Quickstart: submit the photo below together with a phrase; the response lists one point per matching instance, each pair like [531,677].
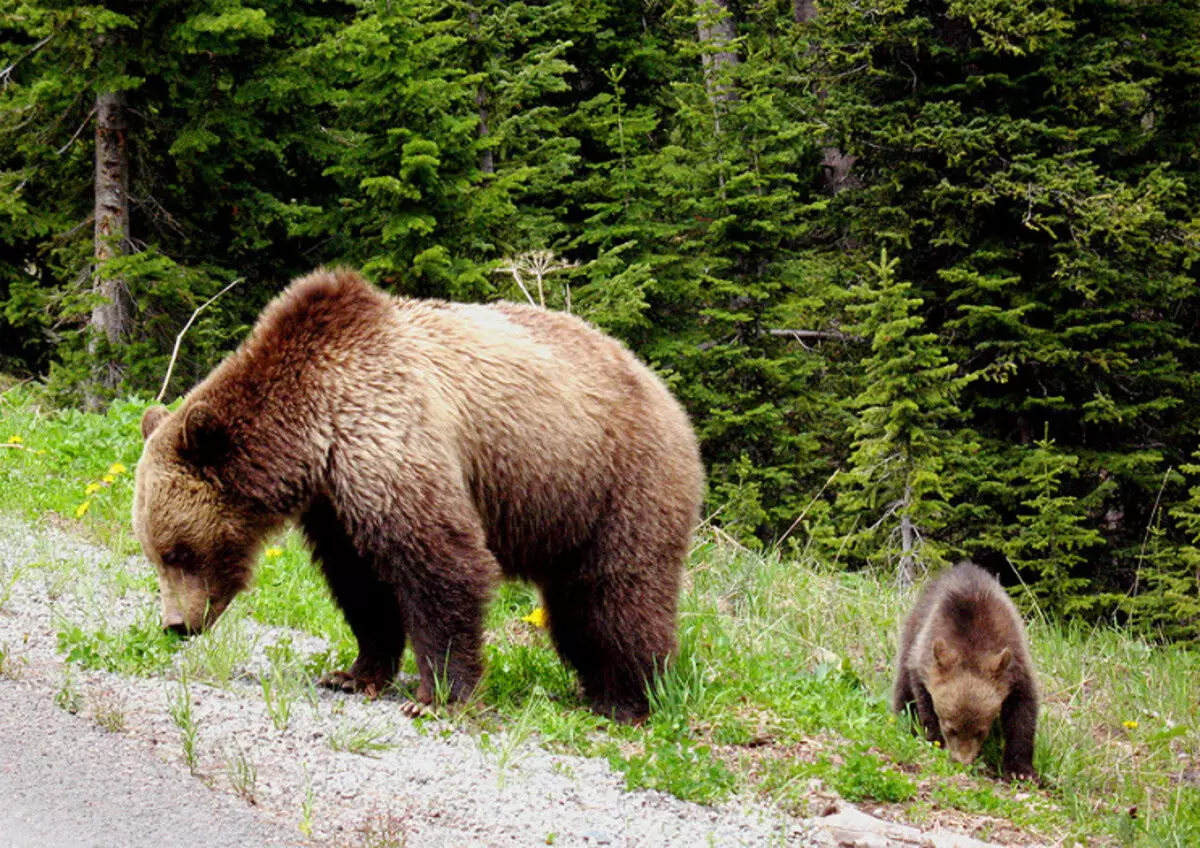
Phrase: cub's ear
[999,662]
[203,438]
[151,418]
[943,655]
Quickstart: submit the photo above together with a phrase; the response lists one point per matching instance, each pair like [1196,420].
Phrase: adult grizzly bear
[427,449]
[964,661]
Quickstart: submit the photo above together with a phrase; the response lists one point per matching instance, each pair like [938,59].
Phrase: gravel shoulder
[64,781]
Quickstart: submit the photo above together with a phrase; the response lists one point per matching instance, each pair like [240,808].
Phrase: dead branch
[800,335]
[6,74]
[179,338]
[71,140]
[536,263]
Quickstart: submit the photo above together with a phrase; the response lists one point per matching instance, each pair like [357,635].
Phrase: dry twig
[179,338]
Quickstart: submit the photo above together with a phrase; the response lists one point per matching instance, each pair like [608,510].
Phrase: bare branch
[71,140]
[6,74]
[179,338]
[815,334]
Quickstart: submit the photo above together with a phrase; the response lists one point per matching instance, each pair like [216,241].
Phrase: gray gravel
[64,782]
[439,786]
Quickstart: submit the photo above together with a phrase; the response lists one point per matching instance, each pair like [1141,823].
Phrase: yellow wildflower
[117,468]
[91,489]
[271,553]
[108,478]
[538,618]
[82,508]
[1130,725]
[14,439]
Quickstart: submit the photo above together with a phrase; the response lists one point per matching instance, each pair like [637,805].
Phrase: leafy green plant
[678,766]
[864,776]
[143,648]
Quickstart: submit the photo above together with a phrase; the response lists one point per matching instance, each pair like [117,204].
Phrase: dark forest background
[922,272]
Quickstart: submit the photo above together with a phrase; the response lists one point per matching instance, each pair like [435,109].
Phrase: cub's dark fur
[964,661]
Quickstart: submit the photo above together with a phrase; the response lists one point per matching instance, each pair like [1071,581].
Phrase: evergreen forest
[922,271]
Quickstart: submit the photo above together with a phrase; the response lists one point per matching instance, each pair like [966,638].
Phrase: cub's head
[201,538]
[967,700]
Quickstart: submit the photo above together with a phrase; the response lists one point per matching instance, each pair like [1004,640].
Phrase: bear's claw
[348,682]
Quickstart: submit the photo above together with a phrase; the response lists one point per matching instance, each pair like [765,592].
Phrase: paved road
[64,783]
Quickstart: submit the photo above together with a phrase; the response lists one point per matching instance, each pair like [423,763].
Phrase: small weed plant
[179,705]
[366,739]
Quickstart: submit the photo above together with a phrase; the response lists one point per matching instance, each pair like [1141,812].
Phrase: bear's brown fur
[428,449]
[964,661]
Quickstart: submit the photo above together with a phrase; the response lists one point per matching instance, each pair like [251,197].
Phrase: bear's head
[967,698]
[200,535]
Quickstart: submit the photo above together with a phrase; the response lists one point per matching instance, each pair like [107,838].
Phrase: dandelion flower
[538,618]
[1130,725]
[82,508]
[91,489]
[271,553]
[108,478]
[15,439]
[117,468]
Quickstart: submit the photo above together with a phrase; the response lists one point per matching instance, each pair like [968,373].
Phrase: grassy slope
[782,678]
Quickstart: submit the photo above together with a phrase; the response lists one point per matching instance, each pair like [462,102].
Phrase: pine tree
[895,491]
[1055,539]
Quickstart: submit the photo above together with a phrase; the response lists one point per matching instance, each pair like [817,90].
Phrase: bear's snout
[179,628]
[188,607]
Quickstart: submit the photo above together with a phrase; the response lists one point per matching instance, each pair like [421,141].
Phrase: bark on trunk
[112,317]
[837,165]
[907,568]
[804,10]
[716,27]
[487,162]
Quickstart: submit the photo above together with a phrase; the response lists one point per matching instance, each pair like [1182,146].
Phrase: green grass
[782,677]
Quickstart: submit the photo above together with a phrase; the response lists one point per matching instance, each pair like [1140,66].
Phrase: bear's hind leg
[370,606]
[613,620]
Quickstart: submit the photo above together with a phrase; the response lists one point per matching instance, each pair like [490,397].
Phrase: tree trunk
[836,165]
[487,162]
[804,10]
[112,316]
[716,27]
[906,570]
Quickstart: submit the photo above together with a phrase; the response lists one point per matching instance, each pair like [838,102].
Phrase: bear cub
[964,661]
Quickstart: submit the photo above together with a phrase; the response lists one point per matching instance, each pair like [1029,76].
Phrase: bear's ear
[999,662]
[151,418]
[203,438]
[945,658]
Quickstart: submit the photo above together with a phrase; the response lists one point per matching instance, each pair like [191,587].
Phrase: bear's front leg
[369,604]
[928,715]
[443,575]
[1018,719]
[446,623]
